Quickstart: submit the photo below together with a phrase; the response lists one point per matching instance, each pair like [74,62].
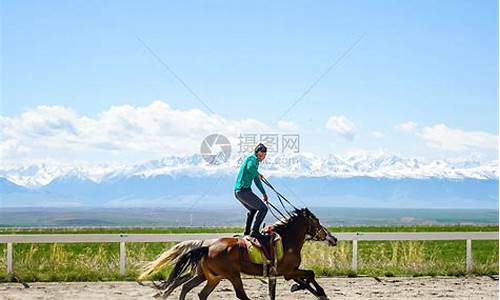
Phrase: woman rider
[248,173]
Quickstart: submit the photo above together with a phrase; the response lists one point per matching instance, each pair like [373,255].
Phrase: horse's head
[316,231]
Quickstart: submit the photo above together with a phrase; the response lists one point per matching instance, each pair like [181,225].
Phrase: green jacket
[248,173]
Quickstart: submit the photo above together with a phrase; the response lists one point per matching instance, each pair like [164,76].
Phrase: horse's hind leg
[170,288]
[191,284]
[238,286]
[212,282]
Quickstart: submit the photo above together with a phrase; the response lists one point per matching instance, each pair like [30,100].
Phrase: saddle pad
[255,254]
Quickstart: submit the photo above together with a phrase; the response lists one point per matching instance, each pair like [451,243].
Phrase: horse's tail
[168,257]
[189,259]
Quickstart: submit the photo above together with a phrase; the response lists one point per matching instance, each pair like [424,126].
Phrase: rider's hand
[261,177]
[264,198]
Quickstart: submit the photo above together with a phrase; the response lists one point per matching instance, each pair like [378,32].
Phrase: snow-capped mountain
[39,174]
[297,165]
[356,180]
[7,186]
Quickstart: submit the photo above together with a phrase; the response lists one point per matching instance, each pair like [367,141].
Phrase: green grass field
[96,262]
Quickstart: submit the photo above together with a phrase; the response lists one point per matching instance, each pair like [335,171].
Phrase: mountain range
[188,181]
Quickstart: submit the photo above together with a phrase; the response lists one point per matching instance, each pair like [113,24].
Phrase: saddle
[262,252]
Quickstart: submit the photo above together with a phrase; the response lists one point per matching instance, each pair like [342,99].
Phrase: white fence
[10,239]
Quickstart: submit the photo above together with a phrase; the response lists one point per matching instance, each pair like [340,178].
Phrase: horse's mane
[296,214]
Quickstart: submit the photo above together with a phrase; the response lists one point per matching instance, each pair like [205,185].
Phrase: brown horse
[219,259]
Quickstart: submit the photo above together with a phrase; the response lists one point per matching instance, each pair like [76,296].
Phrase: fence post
[122,259]
[355,255]
[10,268]
[468,256]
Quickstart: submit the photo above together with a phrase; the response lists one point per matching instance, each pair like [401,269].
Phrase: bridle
[318,231]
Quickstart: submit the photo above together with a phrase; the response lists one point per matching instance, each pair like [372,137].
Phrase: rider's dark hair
[260,147]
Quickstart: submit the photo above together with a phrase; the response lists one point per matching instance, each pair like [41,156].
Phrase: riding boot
[249,222]
[256,234]
[263,239]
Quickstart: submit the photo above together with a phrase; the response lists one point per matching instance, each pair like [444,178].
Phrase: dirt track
[336,288]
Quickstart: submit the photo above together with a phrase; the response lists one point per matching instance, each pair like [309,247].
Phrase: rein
[269,204]
[281,198]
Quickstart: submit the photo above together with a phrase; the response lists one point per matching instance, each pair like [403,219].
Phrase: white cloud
[287,125]
[377,134]
[124,131]
[129,134]
[443,137]
[407,127]
[342,126]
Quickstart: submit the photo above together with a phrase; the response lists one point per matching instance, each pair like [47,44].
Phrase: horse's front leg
[301,284]
[319,289]
[304,278]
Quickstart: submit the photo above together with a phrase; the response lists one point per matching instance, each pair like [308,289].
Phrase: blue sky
[433,63]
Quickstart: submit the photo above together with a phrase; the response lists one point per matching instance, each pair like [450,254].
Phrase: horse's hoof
[295,287]
[157,295]
[323,298]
